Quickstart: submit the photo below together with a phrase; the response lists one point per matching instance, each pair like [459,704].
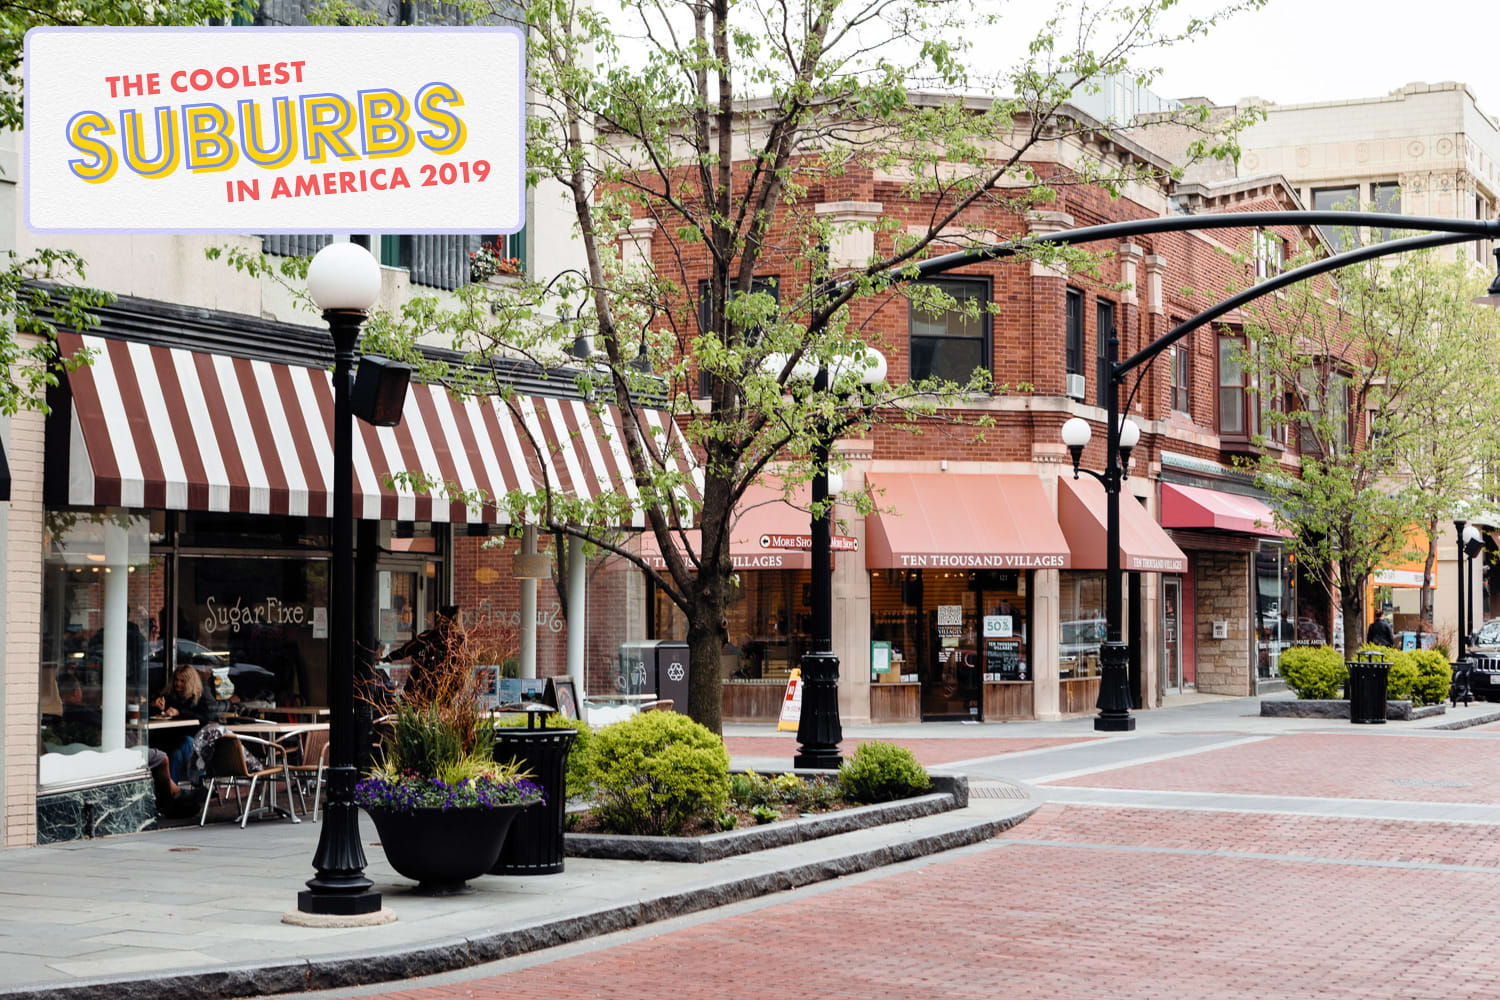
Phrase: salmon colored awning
[768,532]
[1082,511]
[1195,507]
[955,521]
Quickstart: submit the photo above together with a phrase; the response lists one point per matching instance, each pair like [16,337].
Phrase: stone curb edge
[951,792]
[389,965]
[1478,720]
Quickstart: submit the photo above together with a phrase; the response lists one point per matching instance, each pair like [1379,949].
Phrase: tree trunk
[1352,600]
[1424,608]
[705,653]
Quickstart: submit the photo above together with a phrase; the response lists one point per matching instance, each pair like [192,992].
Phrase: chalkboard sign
[1002,660]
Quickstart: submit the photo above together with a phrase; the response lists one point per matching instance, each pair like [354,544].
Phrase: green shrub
[727,820]
[880,772]
[655,771]
[1434,675]
[765,814]
[1402,674]
[578,755]
[749,790]
[1314,671]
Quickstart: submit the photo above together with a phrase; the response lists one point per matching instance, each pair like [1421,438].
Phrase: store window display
[955,630]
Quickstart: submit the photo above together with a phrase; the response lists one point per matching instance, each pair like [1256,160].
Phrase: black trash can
[1367,680]
[535,843]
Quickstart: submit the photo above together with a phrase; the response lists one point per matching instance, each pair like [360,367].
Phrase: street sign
[275,130]
[840,543]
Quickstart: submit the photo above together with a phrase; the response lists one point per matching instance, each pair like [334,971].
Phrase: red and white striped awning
[170,429]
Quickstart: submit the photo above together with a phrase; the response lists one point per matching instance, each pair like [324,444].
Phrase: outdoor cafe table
[271,730]
[172,723]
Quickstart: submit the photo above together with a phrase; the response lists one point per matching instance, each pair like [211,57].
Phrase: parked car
[250,681]
[1487,640]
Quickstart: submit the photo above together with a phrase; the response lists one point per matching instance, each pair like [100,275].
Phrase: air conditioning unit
[1076,387]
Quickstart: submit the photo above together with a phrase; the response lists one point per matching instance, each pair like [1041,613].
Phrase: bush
[1314,671]
[577,778]
[880,772]
[749,790]
[1434,676]
[1402,674]
[655,771]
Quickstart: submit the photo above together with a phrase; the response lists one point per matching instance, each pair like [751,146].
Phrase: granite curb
[446,955]
[1477,720]
[1338,708]
[951,792]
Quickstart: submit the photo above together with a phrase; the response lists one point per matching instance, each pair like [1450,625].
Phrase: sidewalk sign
[791,705]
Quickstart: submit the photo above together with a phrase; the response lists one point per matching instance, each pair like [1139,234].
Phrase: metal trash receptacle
[535,843]
[1367,684]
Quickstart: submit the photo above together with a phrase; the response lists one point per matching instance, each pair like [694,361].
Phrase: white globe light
[1130,434]
[875,367]
[1076,432]
[835,482]
[772,363]
[804,369]
[343,276]
[1471,534]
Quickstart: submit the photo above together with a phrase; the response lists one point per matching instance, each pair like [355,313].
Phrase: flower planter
[442,849]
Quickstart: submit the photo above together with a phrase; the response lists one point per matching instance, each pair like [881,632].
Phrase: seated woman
[187,699]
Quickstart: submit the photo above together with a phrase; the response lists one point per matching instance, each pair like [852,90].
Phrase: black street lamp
[1114,686]
[819,730]
[1473,544]
[344,281]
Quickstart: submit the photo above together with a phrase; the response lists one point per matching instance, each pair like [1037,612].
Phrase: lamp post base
[1114,690]
[818,728]
[338,904]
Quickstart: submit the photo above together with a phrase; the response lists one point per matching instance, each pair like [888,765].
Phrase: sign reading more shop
[275,130]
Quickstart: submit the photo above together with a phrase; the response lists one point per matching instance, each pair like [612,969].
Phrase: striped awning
[170,429]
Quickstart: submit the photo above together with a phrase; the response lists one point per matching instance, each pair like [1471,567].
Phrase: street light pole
[1122,435]
[1458,533]
[819,730]
[344,280]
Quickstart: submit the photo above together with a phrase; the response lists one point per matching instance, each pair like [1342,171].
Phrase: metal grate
[996,790]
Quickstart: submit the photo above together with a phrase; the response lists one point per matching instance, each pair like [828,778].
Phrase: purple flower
[410,791]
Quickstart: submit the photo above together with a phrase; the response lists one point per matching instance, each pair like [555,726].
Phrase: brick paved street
[1088,902]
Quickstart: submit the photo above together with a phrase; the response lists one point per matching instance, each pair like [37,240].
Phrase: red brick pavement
[1357,766]
[1067,923]
[930,752]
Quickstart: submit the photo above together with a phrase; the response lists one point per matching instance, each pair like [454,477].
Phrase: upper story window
[953,343]
[770,285]
[1270,254]
[1103,330]
[1075,332]
[1180,357]
[1320,394]
[1236,414]
[1339,199]
[1387,198]
[1272,405]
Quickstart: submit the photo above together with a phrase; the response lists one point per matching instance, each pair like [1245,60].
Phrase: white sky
[1294,51]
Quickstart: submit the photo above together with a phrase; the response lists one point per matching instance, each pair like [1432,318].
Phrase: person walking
[1380,633]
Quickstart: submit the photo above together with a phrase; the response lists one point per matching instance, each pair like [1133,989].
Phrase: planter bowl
[442,849]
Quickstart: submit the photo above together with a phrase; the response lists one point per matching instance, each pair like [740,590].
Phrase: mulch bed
[587,822]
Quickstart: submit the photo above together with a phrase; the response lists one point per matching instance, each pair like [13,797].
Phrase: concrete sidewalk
[197,912]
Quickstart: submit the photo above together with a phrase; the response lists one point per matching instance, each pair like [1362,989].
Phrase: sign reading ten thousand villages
[275,130]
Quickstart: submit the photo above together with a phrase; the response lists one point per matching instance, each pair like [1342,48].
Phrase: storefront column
[116,614]
[528,607]
[851,599]
[22,637]
[1151,637]
[1047,632]
[577,605]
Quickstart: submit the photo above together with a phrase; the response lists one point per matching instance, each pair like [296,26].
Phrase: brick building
[977,589]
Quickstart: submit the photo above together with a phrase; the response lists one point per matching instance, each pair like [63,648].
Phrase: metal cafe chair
[310,766]
[231,766]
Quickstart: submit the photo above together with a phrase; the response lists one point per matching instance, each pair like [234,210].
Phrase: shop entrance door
[951,686]
[1179,678]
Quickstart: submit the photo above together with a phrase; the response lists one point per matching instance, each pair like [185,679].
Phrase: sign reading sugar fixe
[275,130]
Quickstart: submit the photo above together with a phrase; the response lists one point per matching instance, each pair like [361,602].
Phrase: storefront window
[1275,613]
[1084,627]
[954,630]
[770,624]
[97,583]
[259,623]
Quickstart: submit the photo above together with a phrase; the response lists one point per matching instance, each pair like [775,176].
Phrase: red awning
[956,521]
[1194,507]
[1082,511]
[768,532]
[166,428]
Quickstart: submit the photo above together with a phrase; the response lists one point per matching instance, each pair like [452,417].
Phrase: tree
[1454,409]
[1350,369]
[712,122]
[42,291]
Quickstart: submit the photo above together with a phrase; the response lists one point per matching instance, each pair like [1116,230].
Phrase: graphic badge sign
[275,130]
